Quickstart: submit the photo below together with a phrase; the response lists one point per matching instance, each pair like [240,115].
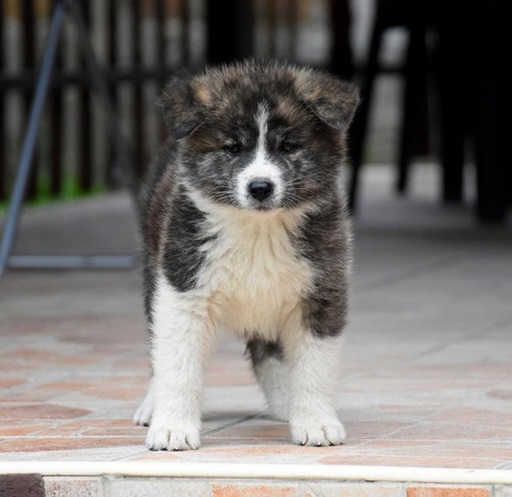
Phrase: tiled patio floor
[427,370]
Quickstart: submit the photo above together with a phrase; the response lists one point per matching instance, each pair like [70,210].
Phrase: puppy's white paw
[165,437]
[144,413]
[318,434]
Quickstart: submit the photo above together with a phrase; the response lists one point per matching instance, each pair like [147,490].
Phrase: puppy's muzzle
[260,189]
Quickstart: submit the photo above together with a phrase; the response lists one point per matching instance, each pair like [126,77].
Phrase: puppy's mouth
[268,205]
[265,208]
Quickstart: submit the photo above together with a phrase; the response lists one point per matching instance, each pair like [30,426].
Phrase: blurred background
[433,76]
[139,44]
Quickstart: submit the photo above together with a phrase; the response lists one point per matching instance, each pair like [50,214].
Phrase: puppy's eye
[234,149]
[288,147]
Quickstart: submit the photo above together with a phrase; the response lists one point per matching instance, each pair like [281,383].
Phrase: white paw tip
[164,438]
[319,435]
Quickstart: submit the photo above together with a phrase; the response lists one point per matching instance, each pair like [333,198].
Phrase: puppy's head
[260,136]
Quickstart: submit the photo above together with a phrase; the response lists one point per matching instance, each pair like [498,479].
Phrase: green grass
[71,190]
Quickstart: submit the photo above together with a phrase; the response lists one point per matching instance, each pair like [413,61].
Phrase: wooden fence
[140,43]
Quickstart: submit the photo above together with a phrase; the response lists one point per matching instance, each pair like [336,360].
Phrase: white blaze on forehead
[261,166]
[262,119]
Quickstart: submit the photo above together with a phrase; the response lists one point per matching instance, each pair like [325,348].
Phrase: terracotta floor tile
[254,490]
[40,411]
[418,461]
[116,432]
[92,422]
[9,366]
[371,429]
[116,392]
[32,395]
[11,382]
[66,386]
[255,429]
[36,357]
[276,447]
[453,431]
[66,443]
[229,378]
[28,326]
[58,431]
[500,394]
[433,449]
[471,415]
[17,428]
[428,491]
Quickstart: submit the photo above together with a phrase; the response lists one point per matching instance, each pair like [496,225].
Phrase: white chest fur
[253,279]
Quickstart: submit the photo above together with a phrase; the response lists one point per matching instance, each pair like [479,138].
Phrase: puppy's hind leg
[272,373]
[144,413]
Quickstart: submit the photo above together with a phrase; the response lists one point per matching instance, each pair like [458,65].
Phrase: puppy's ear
[184,106]
[332,100]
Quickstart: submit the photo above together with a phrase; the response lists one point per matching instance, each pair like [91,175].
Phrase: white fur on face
[260,168]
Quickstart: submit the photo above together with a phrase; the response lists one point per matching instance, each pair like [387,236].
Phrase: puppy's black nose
[260,189]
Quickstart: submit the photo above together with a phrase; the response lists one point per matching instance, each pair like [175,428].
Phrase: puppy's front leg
[182,339]
[314,365]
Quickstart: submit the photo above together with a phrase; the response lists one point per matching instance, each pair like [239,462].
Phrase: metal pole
[29,143]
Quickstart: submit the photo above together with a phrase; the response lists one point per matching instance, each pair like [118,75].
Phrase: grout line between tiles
[229,425]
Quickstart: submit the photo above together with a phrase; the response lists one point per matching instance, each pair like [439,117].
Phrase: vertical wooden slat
[138,134]
[152,40]
[112,179]
[55,111]
[160,18]
[85,173]
[229,40]
[162,15]
[112,16]
[185,32]
[86,167]
[29,64]
[451,84]
[56,142]
[292,19]
[272,27]
[3,152]
[341,56]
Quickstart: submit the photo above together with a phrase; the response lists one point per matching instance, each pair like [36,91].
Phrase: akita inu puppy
[245,228]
